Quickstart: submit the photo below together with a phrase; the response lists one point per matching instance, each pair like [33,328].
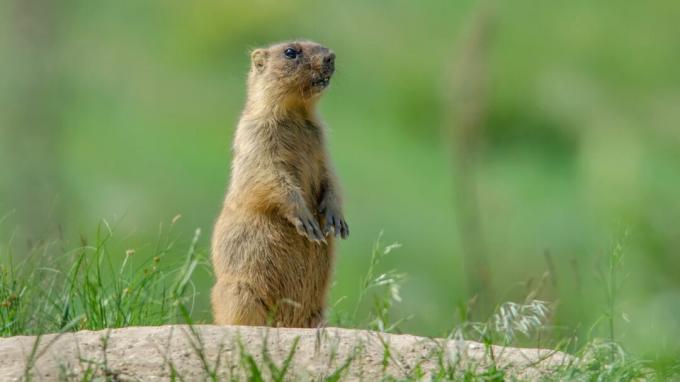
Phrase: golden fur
[272,246]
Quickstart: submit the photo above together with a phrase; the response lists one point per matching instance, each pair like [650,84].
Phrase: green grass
[53,289]
[49,289]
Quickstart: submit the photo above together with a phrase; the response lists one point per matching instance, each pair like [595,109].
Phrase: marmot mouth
[321,82]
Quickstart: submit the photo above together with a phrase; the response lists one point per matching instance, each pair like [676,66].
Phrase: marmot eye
[291,53]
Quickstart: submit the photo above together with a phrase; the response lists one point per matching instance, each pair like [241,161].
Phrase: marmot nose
[329,59]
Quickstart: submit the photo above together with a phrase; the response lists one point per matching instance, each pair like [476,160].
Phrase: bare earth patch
[224,352]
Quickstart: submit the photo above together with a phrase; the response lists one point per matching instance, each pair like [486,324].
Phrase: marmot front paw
[307,225]
[334,223]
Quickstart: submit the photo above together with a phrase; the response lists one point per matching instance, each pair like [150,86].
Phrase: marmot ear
[259,58]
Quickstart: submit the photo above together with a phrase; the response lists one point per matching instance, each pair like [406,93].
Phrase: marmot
[272,246]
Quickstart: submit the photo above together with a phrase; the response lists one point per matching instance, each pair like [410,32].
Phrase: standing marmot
[272,247]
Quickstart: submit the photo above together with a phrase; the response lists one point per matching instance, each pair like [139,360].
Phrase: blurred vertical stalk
[31,119]
[467,105]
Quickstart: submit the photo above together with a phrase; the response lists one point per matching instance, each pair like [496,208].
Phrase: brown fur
[272,246]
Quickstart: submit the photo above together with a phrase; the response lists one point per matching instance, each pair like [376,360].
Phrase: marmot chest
[300,149]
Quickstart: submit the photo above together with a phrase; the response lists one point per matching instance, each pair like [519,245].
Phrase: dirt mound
[205,352]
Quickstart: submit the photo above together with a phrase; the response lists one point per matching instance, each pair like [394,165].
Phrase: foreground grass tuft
[49,291]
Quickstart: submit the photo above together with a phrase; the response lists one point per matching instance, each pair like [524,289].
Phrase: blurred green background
[527,136]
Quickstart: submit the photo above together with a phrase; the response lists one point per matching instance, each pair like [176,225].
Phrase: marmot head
[298,69]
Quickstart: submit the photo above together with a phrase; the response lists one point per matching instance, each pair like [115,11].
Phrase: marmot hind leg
[237,303]
[317,319]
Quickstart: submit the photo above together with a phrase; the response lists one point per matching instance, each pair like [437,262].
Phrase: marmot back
[272,246]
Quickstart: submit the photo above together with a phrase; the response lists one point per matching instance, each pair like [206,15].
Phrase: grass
[53,290]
